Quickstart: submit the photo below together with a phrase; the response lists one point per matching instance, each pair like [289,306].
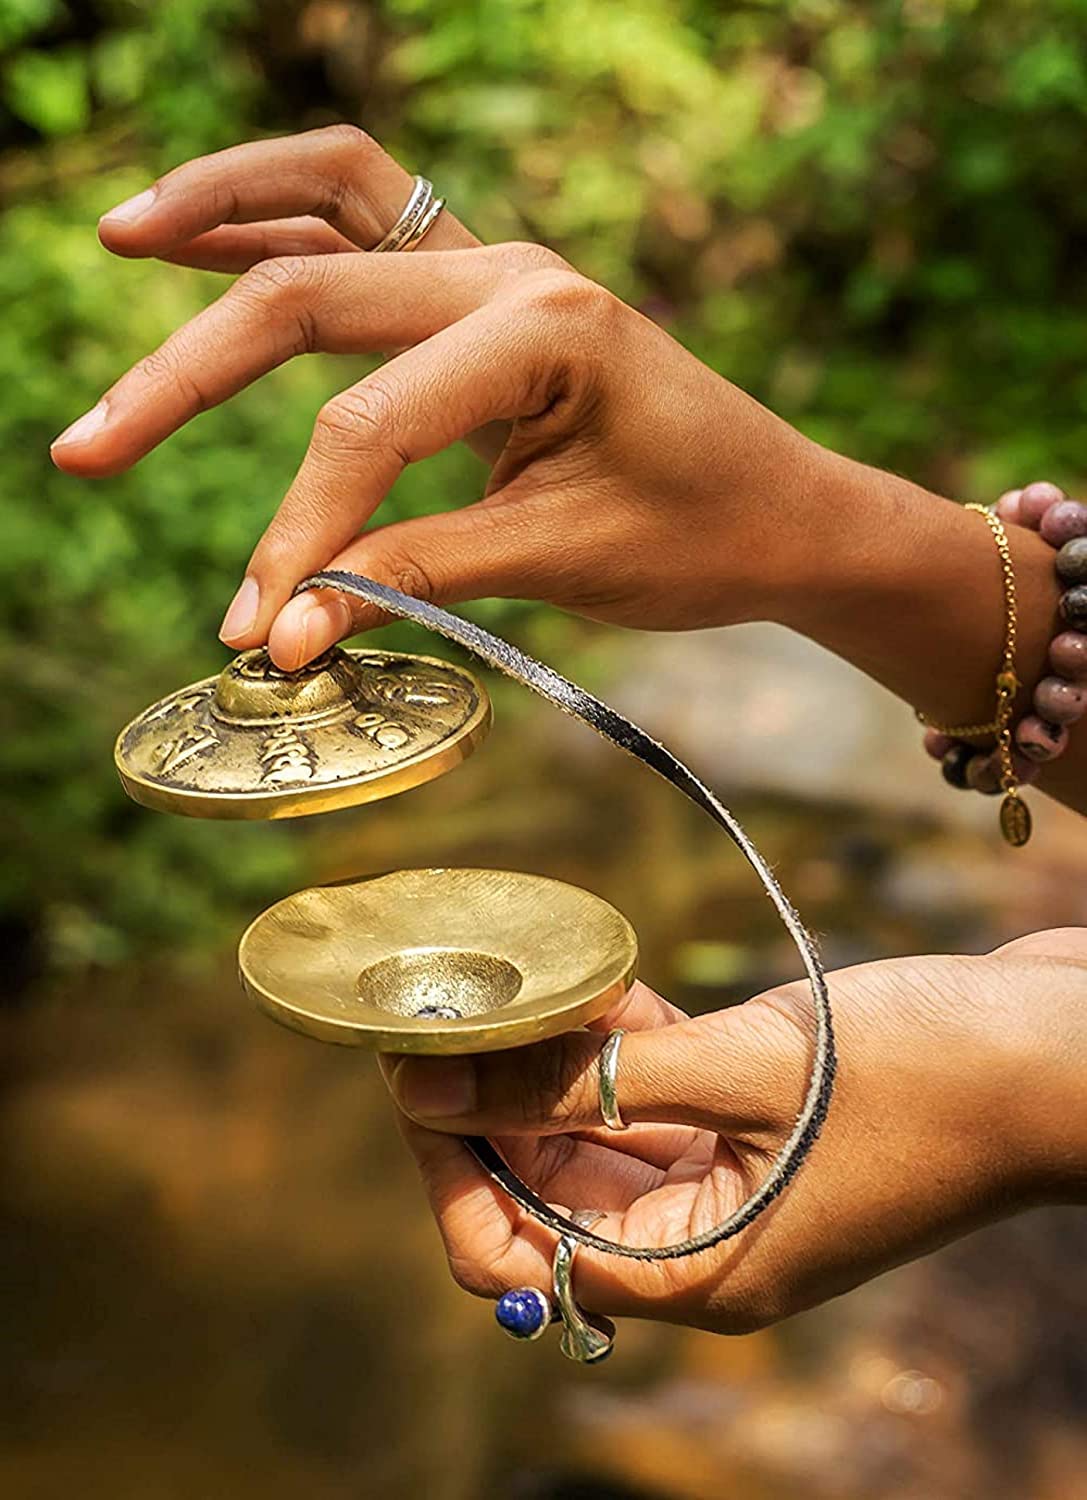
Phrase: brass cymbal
[438,961]
[257,742]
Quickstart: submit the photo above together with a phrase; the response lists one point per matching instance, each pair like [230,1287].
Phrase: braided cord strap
[625,735]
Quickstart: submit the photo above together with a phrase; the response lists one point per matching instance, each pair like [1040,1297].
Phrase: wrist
[864,533]
[907,586]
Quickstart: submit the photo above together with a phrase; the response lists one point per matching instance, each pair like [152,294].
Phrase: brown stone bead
[1007,507]
[1026,771]
[1074,606]
[1035,499]
[983,773]
[1060,702]
[1063,521]
[1039,740]
[1068,655]
[1072,560]
[954,765]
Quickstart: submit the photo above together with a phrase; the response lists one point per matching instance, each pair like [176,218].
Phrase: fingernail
[242,614]
[131,209]
[436,1088]
[83,428]
[305,627]
[325,624]
[289,636]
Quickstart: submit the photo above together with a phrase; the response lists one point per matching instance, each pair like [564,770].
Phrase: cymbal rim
[308,799]
[577,956]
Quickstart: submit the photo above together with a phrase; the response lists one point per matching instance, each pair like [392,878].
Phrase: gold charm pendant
[256,742]
[1015,820]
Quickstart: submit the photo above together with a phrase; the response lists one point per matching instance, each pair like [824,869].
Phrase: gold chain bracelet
[1015,820]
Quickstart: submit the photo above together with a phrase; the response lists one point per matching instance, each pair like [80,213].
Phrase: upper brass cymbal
[439,960]
[257,742]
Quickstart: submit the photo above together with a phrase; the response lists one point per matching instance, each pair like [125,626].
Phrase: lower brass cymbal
[439,960]
[258,742]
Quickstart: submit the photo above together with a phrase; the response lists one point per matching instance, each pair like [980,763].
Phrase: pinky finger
[493,1246]
[490,1243]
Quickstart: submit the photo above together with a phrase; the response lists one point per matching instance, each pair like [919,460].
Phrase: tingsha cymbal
[439,960]
[257,742]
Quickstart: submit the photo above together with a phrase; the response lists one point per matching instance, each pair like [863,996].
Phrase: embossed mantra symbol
[260,742]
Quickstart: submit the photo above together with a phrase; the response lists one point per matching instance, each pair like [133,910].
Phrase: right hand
[635,485]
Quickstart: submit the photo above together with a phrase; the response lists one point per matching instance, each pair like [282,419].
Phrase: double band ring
[419,215]
[607,1082]
[526,1312]
[586,1338]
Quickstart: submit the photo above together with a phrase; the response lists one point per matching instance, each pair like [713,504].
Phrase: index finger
[496,364]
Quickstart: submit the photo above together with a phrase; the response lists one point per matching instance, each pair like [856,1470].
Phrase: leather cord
[626,735]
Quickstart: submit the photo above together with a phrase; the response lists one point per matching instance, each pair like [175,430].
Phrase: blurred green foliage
[869,214]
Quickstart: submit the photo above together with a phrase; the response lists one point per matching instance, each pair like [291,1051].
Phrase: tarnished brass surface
[256,742]
[439,960]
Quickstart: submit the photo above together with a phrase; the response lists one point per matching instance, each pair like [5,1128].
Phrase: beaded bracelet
[1060,698]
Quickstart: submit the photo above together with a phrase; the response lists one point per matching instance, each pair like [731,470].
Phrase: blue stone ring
[524,1313]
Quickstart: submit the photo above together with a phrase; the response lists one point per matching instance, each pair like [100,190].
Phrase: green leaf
[49,90]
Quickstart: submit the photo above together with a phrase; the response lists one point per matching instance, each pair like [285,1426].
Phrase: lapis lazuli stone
[522,1312]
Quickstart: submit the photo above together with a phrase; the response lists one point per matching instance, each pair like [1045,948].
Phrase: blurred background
[217,1276]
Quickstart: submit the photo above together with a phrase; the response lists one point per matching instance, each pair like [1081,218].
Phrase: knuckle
[164,366]
[275,553]
[159,364]
[471,1277]
[525,257]
[554,1086]
[343,151]
[410,577]
[285,285]
[270,279]
[360,417]
[345,137]
[569,296]
[784,1020]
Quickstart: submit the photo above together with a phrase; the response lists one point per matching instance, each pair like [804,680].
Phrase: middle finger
[336,304]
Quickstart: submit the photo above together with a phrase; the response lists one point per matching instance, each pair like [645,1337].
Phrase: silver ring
[586,1338]
[418,216]
[607,1081]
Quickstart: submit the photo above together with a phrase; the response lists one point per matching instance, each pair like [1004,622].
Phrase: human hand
[635,485]
[959,1100]
[631,483]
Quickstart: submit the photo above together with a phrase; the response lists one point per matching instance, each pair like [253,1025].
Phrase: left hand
[957,1102]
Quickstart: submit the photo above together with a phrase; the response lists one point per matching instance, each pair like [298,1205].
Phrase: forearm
[907,586]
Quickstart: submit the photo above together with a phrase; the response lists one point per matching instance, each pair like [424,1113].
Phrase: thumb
[737,1072]
[485,551]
